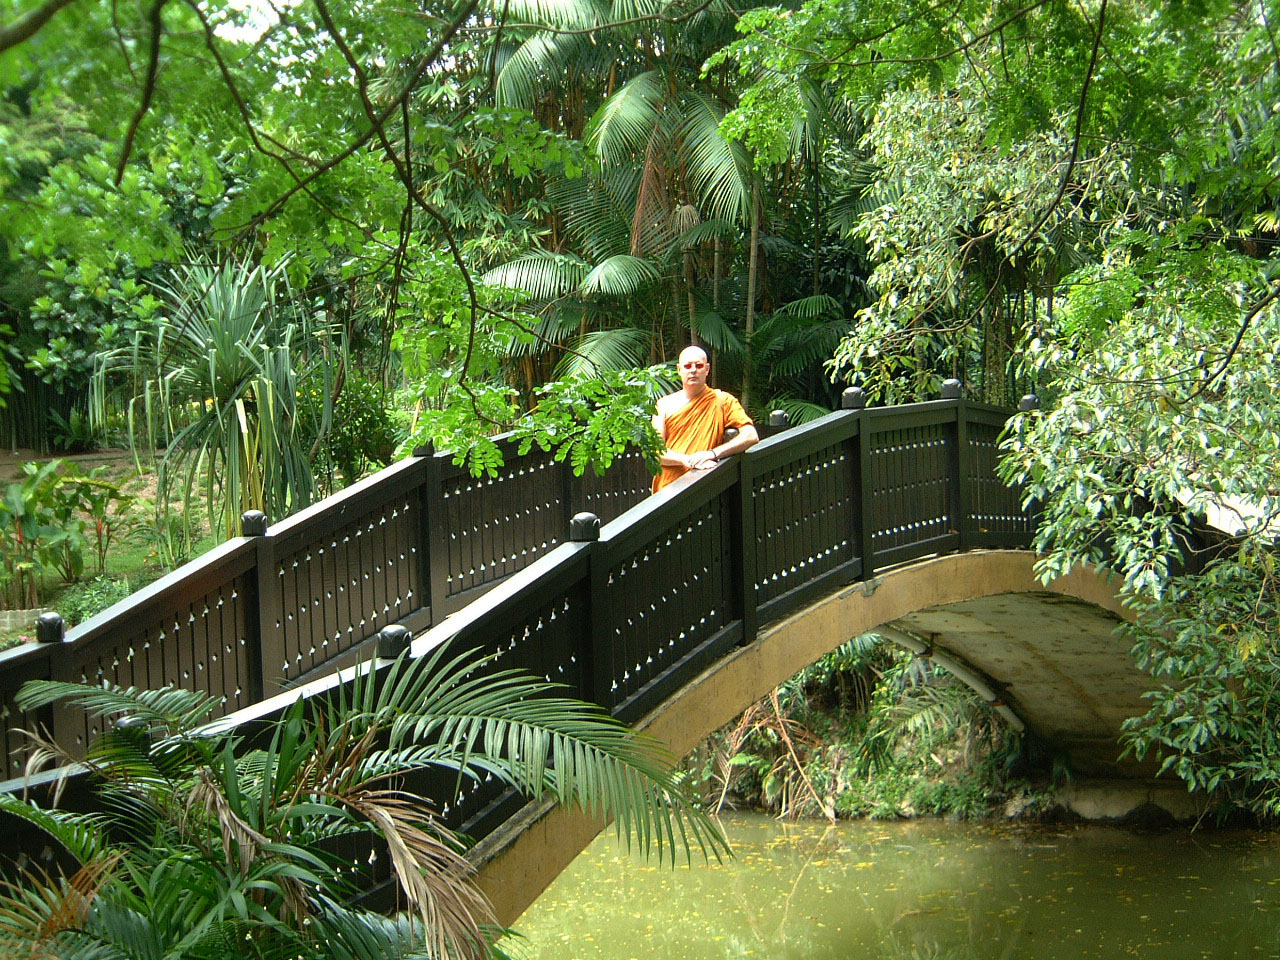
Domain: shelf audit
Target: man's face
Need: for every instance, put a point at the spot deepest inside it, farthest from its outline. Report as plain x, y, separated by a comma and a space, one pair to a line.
694, 369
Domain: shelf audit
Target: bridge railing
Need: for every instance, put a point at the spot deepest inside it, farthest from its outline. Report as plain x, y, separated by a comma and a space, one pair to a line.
622, 612
628, 611
410, 544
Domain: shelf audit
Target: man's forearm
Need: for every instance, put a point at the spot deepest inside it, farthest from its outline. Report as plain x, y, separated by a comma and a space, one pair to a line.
746, 438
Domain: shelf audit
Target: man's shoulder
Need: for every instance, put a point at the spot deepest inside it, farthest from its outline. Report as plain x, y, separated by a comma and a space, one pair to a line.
732, 406
672, 402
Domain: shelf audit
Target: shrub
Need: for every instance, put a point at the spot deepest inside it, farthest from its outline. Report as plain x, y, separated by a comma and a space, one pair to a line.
80, 601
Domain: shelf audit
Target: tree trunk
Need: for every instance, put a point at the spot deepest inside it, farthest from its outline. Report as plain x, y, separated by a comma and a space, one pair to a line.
753, 265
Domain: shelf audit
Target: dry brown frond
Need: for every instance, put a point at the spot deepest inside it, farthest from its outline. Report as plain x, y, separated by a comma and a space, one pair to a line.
39, 907
43, 753
241, 842
435, 876
651, 225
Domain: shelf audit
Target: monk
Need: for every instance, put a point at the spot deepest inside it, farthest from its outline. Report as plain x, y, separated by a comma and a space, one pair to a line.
693, 420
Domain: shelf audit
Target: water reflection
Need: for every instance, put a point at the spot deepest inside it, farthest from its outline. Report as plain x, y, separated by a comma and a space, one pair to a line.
917, 890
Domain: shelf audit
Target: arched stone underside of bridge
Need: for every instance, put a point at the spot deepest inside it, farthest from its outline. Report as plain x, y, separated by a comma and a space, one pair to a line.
1050, 654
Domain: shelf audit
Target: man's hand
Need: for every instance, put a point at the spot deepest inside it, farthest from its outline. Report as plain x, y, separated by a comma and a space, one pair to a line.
702, 461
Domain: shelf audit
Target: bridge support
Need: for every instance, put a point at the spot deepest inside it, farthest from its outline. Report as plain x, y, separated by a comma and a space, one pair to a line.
1078, 614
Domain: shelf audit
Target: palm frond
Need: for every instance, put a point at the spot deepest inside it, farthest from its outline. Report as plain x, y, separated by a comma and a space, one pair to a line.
571, 14
622, 127
715, 331
605, 350
83, 835
597, 217
510, 724
432, 871
708, 230
718, 169
540, 273
535, 64
169, 708
621, 275
810, 308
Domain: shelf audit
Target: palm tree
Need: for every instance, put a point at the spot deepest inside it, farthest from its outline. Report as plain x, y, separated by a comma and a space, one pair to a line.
616, 277
203, 849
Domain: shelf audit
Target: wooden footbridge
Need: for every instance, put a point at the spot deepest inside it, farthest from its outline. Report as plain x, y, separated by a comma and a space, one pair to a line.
625, 598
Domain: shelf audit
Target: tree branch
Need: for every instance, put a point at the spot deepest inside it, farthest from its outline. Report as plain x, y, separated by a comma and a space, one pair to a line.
1075, 140
27, 27
468, 8
376, 121
156, 24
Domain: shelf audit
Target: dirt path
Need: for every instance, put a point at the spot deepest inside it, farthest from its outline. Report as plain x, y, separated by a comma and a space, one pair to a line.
11, 460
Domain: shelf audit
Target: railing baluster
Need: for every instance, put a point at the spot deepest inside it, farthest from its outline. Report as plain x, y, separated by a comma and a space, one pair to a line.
743, 546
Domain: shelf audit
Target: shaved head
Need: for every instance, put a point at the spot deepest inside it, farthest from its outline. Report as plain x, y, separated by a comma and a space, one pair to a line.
693, 353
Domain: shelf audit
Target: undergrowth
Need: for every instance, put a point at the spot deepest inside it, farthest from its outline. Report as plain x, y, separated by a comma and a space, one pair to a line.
867, 731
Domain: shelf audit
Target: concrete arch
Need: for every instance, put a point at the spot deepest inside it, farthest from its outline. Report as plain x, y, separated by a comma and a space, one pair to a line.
964, 605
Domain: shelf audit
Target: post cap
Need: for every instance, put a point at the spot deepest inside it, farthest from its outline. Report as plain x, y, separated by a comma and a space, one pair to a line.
393, 640
253, 523
951, 388
584, 527
730, 433
779, 418
1029, 402
853, 398
50, 627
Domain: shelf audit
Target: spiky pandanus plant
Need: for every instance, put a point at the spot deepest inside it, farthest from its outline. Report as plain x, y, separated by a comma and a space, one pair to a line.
203, 850
216, 383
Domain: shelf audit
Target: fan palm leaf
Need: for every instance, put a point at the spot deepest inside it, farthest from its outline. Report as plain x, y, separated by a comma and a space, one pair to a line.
622, 128
541, 274
597, 213
603, 350
621, 275
717, 333
717, 169
534, 65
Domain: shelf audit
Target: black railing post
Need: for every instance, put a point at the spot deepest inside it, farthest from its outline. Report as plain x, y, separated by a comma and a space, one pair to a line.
594, 650
50, 627
859, 452
961, 458
434, 546
743, 562
271, 659
63, 721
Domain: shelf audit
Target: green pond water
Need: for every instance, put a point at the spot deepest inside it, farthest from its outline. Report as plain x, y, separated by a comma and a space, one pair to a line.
916, 890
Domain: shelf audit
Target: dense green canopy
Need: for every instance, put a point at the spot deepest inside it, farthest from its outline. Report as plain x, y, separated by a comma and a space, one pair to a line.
1078, 199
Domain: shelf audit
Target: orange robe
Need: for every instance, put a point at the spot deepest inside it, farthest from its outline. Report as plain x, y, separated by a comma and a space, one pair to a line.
700, 425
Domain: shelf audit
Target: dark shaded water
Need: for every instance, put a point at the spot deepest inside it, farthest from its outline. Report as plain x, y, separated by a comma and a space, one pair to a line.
917, 890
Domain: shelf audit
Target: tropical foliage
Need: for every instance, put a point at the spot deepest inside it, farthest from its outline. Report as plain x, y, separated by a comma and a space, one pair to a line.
1080, 200
868, 730
205, 847
216, 380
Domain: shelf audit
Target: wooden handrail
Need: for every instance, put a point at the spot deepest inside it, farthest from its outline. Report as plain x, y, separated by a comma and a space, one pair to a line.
672, 581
